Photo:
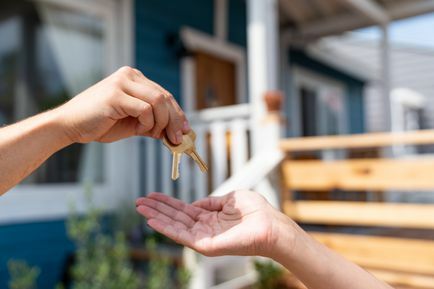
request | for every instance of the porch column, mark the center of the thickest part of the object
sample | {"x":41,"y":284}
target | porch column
{"x":263,"y":31}
{"x":385,"y":77}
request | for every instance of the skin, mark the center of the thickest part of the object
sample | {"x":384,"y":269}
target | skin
{"x":124,"y":104}
{"x":241,"y":223}
{"x":244,"y":223}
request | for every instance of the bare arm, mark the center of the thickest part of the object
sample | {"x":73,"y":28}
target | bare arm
{"x":26,"y":145}
{"x":317,"y":266}
{"x":243,"y":223}
{"x":122,"y":105}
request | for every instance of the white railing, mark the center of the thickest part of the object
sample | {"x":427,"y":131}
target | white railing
{"x":222,"y":141}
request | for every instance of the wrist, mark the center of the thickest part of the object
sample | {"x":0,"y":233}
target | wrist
{"x":284,"y":232}
{"x":55,"y":124}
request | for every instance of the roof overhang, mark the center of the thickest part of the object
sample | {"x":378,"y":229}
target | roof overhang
{"x":310,"y":20}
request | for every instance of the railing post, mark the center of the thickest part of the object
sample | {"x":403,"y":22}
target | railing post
{"x":271,"y":129}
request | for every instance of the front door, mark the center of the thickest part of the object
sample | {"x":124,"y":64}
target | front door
{"x":216,"y":83}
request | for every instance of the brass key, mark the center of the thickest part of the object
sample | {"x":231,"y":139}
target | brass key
{"x":192,"y":152}
{"x":188,"y":147}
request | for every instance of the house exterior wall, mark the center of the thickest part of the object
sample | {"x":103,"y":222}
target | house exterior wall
{"x":411,"y":67}
{"x":156,"y":21}
{"x":354,"y":87}
{"x":45,"y":244}
{"x":42,"y":244}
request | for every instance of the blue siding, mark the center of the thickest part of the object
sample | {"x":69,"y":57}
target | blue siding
{"x":42,"y":244}
{"x":158,"y":20}
{"x":354,"y":87}
{"x":45,"y":244}
{"x":237,"y":22}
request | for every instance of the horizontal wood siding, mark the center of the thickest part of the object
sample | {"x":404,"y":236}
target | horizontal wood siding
{"x":354,"y":87}
{"x":42,"y":244}
{"x":157,"y":20}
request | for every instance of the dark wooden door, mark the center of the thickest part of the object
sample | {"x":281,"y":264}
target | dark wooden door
{"x":215,"y":81}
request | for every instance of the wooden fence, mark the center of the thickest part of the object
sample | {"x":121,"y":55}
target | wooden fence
{"x":405,"y":261}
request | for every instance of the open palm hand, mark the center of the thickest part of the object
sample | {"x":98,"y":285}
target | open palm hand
{"x":239,"y":223}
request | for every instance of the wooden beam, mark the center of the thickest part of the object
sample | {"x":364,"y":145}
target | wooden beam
{"x":360,"y":175}
{"x":369,"y":9}
{"x":361,"y":214}
{"x":410,"y":8}
{"x":357,"y":141}
{"x":405,"y":255}
{"x":347,"y":22}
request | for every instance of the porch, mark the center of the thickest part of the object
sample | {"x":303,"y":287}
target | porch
{"x":246,"y":144}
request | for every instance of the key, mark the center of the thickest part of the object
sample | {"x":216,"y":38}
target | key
{"x":193,"y":153}
{"x":188,"y":147}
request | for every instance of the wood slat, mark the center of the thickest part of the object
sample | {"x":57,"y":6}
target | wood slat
{"x":404,"y":279}
{"x":369,"y":174}
{"x":411,"y":256}
{"x":357,"y":141}
{"x":361,"y":214}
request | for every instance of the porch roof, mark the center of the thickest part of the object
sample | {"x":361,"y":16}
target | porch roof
{"x":311,"y":19}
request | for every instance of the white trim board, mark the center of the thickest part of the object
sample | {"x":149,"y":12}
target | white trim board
{"x":220,"y":19}
{"x":195,"y":40}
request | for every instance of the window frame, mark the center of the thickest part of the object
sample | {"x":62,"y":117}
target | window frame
{"x":310,"y":79}
{"x":35,"y":202}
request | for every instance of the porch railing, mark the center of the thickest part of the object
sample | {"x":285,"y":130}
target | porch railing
{"x":350,"y":199}
{"x":222,"y":141}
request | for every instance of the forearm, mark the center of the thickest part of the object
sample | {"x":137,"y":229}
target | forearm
{"x":24,"y":146}
{"x":317,"y":266}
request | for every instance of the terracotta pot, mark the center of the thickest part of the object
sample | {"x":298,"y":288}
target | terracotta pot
{"x":273,"y":100}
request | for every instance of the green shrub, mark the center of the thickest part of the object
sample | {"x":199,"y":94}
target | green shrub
{"x":22,"y":276}
{"x":102,"y":261}
{"x":269,"y":274}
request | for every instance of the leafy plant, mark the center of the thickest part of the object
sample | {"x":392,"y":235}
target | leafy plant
{"x":269,"y":275}
{"x":102,"y":261}
{"x":22,"y":275}
{"x":159,"y":276}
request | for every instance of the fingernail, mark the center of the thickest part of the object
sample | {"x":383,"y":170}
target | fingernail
{"x":179,"y":137}
{"x":186,"y":126}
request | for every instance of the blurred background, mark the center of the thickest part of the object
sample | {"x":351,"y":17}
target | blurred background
{"x":324,"y":106}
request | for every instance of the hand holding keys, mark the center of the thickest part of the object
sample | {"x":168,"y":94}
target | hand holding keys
{"x":188,"y":147}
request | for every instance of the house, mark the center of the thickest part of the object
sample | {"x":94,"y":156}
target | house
{"x":218,"y":57}
{"x":410,"y":82}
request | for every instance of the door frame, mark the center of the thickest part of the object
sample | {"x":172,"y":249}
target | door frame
{"x":195,"y":40}
{"x":36,"y":202}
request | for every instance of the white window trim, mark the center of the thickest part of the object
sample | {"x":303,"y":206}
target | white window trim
{"x":29,"y":203}
{"x":305,"y":77}
{"x":195,"y":40}
{"x":402,"y":99}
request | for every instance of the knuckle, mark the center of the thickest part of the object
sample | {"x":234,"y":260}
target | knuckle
{"x":170,"y":96}
{"x":147,"y":109}
{"x":117,"y":81}
{"x":138,"y":72}
{"x":158,"y":98}
{"x":126,"y":70}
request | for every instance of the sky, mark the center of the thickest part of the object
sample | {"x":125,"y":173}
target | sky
{"x":417,"y":30}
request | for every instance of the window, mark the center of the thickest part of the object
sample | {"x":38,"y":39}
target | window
{"x":318,"y":105}
{"x":51,"y":54}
